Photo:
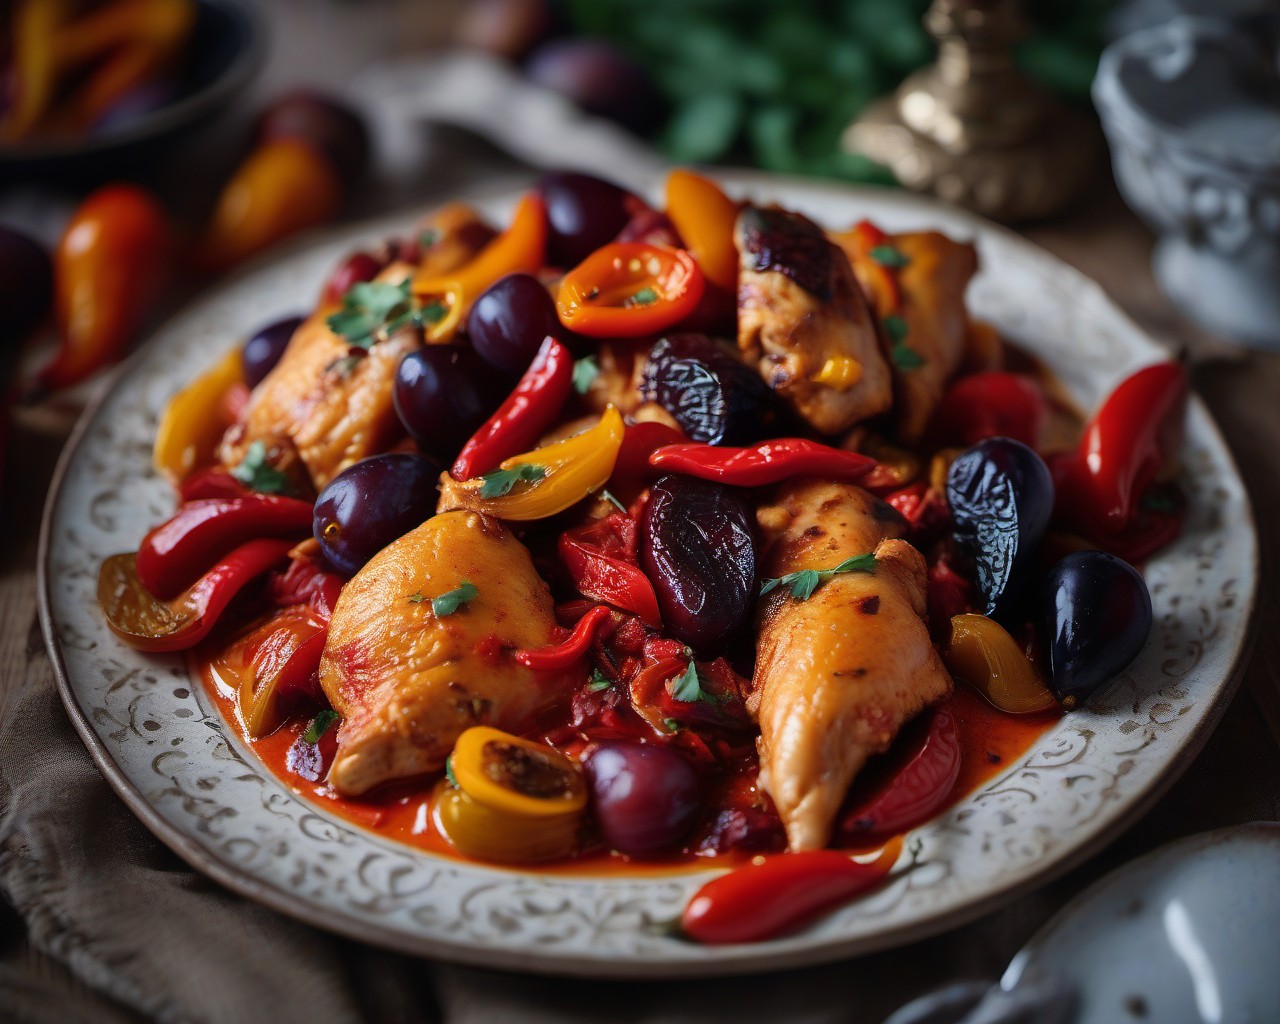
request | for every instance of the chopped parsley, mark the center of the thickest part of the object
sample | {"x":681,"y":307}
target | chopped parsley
{"x":688,"y":689}
{"x":256,"y":473}
{"x":803,"y":583}
{"x":450,"y":601}
{"x":585,"y":370}
{"x":889,"y":256}
{"x":599,"y":681}
{"x":319,"y":725}
{"x":373,"y":311}
{"x":671,"y":725}
{"x":644,"y":297}
{"x":903,"y":356}
{"x":416,"y":598}
{"x":428,"y":238}
{"x":343,"y":365}
{"x":448,"y":771}
{"x":500,"y":482}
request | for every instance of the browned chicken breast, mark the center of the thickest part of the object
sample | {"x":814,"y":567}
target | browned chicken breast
{"x":408,"y":681}
{"x":804,"y":323}
{"x":328,"y":405}
{"x":837,"y":675}
{"x":933,"y":284}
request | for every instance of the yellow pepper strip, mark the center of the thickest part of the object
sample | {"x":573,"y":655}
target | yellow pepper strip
{"x":519,"y":249}
{"x":35,"y":30}
{"x":569,"y":471}
{"x":516,"y":776}
{"x":481,"y":832}
{"x":704,"y":216}
{"x":982,"y":654}
{"x":193,"y":424}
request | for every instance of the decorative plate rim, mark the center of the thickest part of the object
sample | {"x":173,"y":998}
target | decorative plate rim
{"x":779,"y":954}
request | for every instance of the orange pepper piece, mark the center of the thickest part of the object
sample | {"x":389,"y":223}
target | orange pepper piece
{"x":704,"y":216}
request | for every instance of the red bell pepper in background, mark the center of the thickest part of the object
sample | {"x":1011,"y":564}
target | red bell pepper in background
{"x":778,"y":894}
{"x":569,"y":652}
{"x":601,"y":560}
{"x":629,"y":290}
{"x":768,"y":462}
{"x":915,"y":792}
{"x":178,"y":551}
{"x":211,"y":483}
{"x":991,"y":404}
{"x":147,"y":624}
{"x":528,"y":411}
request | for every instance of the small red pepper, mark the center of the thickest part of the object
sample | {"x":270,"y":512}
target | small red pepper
{"x":178,"y":551}
{"x":141,"y":621}
{"x":569,"y":652}
{"x":601,"y":560}
{"x":916,"y":792}
{"x":629,"y":290}
{"x":528,"y":411}
{"x":778,"y":894}
{"x":768,"y":462}
{"x":990,"y":404}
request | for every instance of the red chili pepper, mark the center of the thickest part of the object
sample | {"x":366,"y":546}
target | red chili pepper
{"x":639,"y":442}
{"x":601,"y":560}
{"x":916,"y":792}
{"x":1156,"y":523}
{"x":629,"y":290}
{"x":521,"y":419}
{"x":568,"y":653}
{"x":211,"y":483}
{"x":990,"y":404}
{"x":174,"y":554}
{"x":141,"y":621}
{"x":288,"y":657}
{"x":768,"y":462}
{"x":1134,"y":435}
{"x":775,"y":895}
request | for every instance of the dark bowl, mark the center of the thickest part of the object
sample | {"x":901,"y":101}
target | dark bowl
{"x":223,"y":56}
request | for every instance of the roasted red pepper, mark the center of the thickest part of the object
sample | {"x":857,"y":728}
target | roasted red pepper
{"x":211,"y":483}
{"x":307,"y":582}
{"x":601,"y":560}
{"x":775,"y":895}
{"x":991,"y":404}
{"x":178,"y":551}
{"x":641,"y":440}
{"x":629,"y":290}
{"x":141,"y":621}
{"x":569,"y":652}
{"x":915,"y":792}
{"x":521,"y":419}
{"x":768,"y":462}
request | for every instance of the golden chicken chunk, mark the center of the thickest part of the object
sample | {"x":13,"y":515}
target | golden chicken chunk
{"x":804,"y":323}
{"x":838,"y":674}
{"x":932,"y":284}
{"x":409,"y":679}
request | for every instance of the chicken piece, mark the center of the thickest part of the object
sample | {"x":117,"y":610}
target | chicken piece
{"x":804,"y":322}
{"x":837,"y":675}
{"x":932,"y":285}
{"x":407,"y":681}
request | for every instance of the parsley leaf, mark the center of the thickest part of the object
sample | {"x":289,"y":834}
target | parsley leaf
{"x":448,"y":771}
{"x":644,"y":297}
{"x":671,"y":725}
{"x":599,"y":681}
{"x":689,"y":689}
{"x":895,"y":327}
{"x":902,"y":355}
{"x":803,"y":583}
{"x":888,"y":256}
{"x":417,"y":598}
{"x":585,"y":370}
{"x":375,"y":310}
{"x":428,"y":238}
{"x":259,"y":475}
{"x":319,"y":725}
{"x":500,"y":482}
{"x":433,"y":313}
{"x":450,"y":601}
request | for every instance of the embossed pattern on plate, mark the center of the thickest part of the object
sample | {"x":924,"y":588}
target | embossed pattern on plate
{"x":189,"y":777}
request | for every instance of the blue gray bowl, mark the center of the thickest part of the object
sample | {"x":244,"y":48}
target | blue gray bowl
{"x":1191,"y":110}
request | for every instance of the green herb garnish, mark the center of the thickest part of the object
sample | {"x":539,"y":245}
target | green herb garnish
{"x":688,"y":689}
{"x":450,"y":601}
{"x":319,"y":725}
{"x":448,"y":771}
{"x":806,"y":581}
{"x":903,"y":356}
{"x":609,"y":497}
{"x":599,"y":681}
{"x":585,"y":370}
{"x":644,"y":297}
{"x":896,"y":327}
{"x":259,"y":475}
{"x":671,"y":725}
{"x":373,"y":311}
{"x":888,"y":256}
{"x":428,"y":238}
{"x":417,"y":598}
{"x":500,"y":482}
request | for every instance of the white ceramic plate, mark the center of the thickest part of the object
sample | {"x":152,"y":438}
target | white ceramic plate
{"x":164,"y":747}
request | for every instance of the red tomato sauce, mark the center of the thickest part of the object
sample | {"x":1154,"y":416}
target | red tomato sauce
{"x":991,"y":741}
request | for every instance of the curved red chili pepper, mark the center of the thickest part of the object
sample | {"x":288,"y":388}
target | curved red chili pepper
{"x":775,"y":895}
{"x":521,"y":419}
{"x":174,"y":554}
{"x":601,"y":561}
{"x":568,"y":653}
{"x":916,"y":792}
{"x":768,"y":462}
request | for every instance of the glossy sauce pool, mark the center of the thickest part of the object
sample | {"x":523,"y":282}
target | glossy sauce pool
{"x":990,"y":741}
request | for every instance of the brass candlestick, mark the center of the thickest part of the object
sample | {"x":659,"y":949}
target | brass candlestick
{"x":973,"y":128}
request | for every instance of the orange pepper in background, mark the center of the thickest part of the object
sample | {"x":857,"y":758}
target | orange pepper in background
{"x":195,"y":419}
{"x":35,"y":65}
{"x":108,"y":268}
{"x":521,"y":248}
{"x":704,"y":217}
{"x":284,"y":186}
{"x":629,"y":290}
